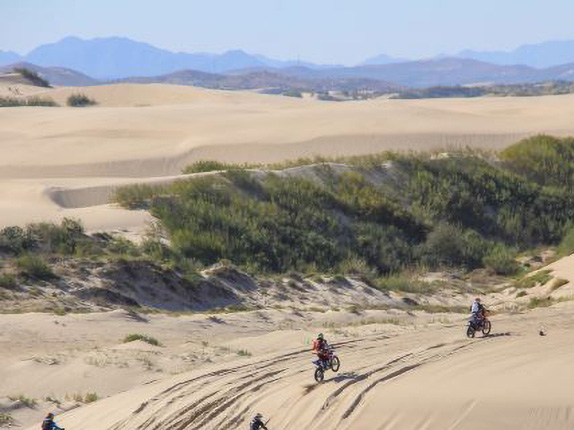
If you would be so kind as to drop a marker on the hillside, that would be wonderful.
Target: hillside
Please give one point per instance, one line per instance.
(58, 76)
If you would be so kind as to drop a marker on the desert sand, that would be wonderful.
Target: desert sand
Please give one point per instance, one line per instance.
(400, 370)
(148, 132)
(211, 371)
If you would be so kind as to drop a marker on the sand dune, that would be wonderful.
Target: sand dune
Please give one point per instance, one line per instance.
(145, 131)
(432, 378)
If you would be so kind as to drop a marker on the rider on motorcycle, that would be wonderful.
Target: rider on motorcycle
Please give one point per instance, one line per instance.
(321, 348)
(477, 309)
(49, 424)
(257, 423)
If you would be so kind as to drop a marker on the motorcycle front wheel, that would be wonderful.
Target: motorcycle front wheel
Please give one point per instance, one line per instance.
(319, 374)
(486, 327)
(335, 364)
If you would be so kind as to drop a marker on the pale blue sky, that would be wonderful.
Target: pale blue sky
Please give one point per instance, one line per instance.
(328, 31)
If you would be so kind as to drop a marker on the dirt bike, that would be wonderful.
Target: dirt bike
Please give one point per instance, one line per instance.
(483, 324)
(332, 362)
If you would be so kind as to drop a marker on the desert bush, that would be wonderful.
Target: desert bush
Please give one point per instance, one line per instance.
(143, 337)
(212, 166)
(91, 397)
(8, 281)
(32, 76)
(6, 419)
(463, 210)
(34, 267)
(80, 100)
(546, 160)
(31, 101)
(529, 281)
(39, 101)
(26, 401)
(405, 285)
(566, 246)
(15, 240)
(501, 260)
(540, 302)
(448, 245)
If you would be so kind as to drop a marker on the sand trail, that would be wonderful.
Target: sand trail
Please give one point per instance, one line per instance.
(432, 379)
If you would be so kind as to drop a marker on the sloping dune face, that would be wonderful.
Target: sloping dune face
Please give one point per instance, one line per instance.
(432, 379)
(139, 132)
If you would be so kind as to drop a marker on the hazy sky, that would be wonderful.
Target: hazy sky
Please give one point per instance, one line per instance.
(328, 31)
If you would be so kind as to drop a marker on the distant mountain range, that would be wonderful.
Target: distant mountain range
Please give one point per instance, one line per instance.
(119, 57)
(74, 61)
(540, 55)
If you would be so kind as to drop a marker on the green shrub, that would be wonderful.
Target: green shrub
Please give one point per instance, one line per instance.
(540, 302)
(38, 101)
(566, 246)
(212, 166)
(8, 281)
(546, 160)
(91, 397)
(501, 260)
(6, 419)
(34, 267)
(405, 285)
(464, 210)
(26, 401)
(448, 245)
(80, 100)
(144, 338)
(31, 101)
(530, 281)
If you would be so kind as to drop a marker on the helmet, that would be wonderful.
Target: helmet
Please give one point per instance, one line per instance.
(477, 299)
(50, 415)
(258, 415)
(320, 336)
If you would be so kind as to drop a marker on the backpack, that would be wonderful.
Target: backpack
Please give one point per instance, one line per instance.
(47, 425)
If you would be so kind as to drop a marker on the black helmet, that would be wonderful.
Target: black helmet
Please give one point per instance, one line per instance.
(50, 415)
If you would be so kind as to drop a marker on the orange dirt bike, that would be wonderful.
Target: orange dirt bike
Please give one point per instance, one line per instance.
(478, 324)
(332, 362)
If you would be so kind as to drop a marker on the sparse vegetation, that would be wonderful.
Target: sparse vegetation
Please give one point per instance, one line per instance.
(463, 210)
(6, 419)
(34, 267)
(91, 398)
(24, 400)
(80, 100)
(243, 353)
(540, 278)
(30, 101)
(212, 166)
(8, 281)
(143, 337)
